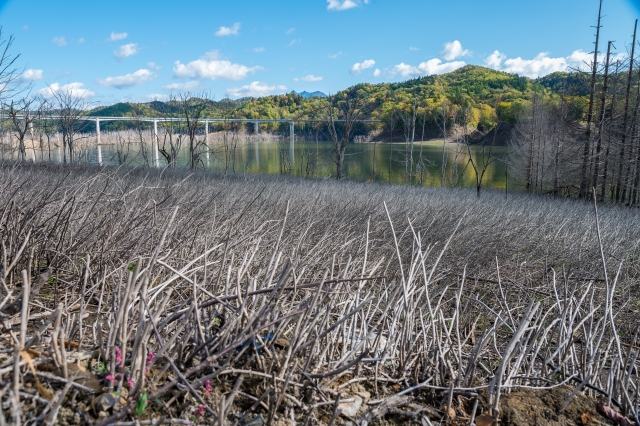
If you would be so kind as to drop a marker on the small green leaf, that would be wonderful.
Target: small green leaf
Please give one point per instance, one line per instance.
(141, 405)
(131, 267)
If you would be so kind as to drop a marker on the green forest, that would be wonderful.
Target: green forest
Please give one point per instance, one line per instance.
(488, 96)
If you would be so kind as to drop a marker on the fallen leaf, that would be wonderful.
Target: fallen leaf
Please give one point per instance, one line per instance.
(72, 344)
(82, 376)
(484, 420)
(26, 355)
(451, 413)
(585, 418)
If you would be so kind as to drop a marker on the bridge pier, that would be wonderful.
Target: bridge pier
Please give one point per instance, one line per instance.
(292, 138)
(256, 128)
(206, 145)
(98, 142)
(156, 156)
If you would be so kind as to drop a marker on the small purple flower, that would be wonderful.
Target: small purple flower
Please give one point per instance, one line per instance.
(150, 356)
(111, 378)
(208, 386)
(200, 411)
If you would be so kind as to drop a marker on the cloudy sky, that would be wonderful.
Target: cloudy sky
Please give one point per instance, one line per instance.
(142, 50)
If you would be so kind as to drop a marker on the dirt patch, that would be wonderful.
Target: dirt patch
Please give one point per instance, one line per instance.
(542, 408)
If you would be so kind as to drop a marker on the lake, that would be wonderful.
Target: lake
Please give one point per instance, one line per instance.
(367, 162)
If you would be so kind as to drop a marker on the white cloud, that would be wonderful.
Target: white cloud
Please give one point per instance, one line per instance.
(126, 50)
(536, 67)
(495, 59)
(454, 50)
(376, 73)
(26, 28)
(344, 4)
(81, 40)
(76, 90)
(209, 66)
(117, 36)
(259, 49)
(255, 90)
(31, 75)
(309, 78)
(294, 42)
(290, 30)
(358, 67)
(60, 41)
(539, 66)
(413, 49)
(123, 81)
(431, 67)
(182, 87)
(153, 66)
(229, 31)
(336, 56)
(580, 59)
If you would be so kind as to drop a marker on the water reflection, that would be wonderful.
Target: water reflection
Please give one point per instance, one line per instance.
(427, 164)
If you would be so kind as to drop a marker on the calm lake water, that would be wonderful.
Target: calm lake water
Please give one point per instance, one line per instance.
(367, 162)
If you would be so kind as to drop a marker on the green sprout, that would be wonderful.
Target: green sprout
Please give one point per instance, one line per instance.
(141, 405)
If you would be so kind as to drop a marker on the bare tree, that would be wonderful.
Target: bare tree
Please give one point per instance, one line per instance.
(601, 120)
(391, 120)
(621, 186)
(408, 118)
(442, 117)
(483, 159)
(171, 143)
(10, 83)
(192, 109)
(23, 113)
(71, 107)
(349, 107)
(584, 181)
(47, 126)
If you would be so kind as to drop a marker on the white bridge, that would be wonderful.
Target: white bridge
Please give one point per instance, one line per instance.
(203, 121)
(206, 121)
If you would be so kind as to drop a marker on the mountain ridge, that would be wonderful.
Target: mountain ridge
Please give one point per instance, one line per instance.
(307, 95)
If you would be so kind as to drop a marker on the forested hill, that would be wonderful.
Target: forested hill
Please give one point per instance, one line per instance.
(486, 96)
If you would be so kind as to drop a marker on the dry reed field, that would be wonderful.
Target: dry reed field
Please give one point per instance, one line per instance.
(142, 297)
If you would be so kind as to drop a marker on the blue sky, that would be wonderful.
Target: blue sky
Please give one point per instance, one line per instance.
(139, 50)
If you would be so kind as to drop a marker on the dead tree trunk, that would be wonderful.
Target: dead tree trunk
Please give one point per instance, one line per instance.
(584, 181)
(620, 192)
(603, 104)
(609, 130)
